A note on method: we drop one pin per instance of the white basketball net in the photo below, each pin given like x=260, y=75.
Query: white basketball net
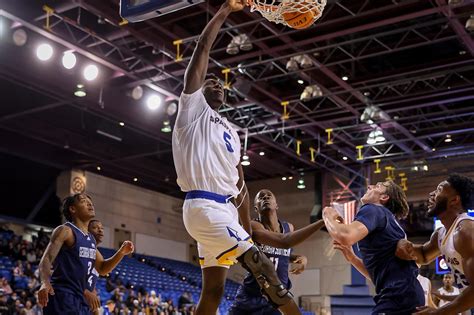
x=273, y=10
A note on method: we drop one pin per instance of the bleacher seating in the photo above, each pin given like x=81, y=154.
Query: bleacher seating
x=167, y=277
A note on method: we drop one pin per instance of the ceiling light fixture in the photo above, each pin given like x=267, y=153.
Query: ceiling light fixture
x=166, y=127
x=80, y=90
x=44, y=52
x=91, y=72
x=69, y=60
x=153, y=102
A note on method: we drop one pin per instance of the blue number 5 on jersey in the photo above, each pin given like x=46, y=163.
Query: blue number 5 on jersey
x=227, y=137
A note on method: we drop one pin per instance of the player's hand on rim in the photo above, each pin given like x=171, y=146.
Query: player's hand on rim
x=237, y=5
x=45, y=290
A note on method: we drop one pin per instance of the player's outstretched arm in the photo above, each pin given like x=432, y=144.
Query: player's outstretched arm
x=105, y=266
x=197, y=68
x=61, y=235
x=287, y=240
x=345, y=234
x=422, y=253
x=352, y=258
x=464, y=245
x=242, y=202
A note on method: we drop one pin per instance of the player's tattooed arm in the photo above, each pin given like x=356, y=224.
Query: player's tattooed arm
x=197, y=68
x=105, y=266
x=62, y=235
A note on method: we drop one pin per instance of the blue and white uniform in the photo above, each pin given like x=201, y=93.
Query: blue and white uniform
x=206, y=152
x=71, y=270
x=249, y=299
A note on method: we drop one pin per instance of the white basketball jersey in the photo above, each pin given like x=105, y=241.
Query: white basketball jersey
x=452, y=257
x=443, y=291
x=426, y=285
x=206, y=150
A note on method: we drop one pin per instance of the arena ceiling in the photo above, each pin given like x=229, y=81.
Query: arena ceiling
x=408, y=62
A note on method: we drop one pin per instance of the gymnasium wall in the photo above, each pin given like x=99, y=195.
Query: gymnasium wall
x=154, y=219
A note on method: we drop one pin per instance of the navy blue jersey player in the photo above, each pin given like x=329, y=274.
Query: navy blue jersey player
x=376, y=231
x=71, y=255
x=275, y=238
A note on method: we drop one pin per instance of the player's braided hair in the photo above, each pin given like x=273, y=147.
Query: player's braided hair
x=464, y=186
x=397, y=203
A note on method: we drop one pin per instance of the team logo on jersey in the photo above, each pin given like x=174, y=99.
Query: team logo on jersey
x=228, y=145
x=233, y=233
x=86, y=252
x=453, y=261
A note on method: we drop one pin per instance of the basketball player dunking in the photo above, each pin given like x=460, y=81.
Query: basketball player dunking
x=376, y=231
x=206, y=153
x=72, y=254
x=454, y=240
x=275, y=238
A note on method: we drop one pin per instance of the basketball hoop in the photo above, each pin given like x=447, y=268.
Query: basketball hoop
x=289, y=12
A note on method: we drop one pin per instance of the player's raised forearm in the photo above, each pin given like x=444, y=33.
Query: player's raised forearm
x=107, y=265
x=359, y=265
x=197, y=68
x=294, y=238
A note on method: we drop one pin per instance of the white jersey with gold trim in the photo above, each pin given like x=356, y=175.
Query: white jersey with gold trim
x=206, y=149
x=452, y=257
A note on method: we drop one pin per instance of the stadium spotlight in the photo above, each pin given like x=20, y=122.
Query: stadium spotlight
x=153, y=102
x=301, y=184
x=19, y=37
x=232, y=48
x=69, y=60
x=44, y=52
x=245, y=160
x=470, y=23
x=137, y=93
x=292, y=65
x=91, y=72
x=166, y=126
x=80, y=90
x=172, y=108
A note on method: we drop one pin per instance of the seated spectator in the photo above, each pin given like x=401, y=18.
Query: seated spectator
x=18, y=270
x=185, y=302
x=4, y=309
x=5, y=286
x=109, y=308
x=154, y=301
x=31, y=256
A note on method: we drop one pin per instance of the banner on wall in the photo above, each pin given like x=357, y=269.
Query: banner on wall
x=71, y=182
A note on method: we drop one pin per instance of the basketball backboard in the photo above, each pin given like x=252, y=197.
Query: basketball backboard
x=140, y=10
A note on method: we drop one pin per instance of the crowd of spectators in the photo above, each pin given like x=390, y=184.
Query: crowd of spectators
x=20, y=283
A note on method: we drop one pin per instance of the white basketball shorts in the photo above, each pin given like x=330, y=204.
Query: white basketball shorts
x=215, y=226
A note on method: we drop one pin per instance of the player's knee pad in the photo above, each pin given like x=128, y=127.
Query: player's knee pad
x=264, y=272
